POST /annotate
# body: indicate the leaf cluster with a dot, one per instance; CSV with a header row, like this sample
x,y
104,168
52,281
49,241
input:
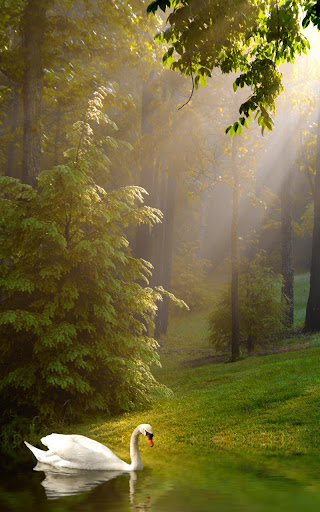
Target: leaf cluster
x,y
252,38
312,8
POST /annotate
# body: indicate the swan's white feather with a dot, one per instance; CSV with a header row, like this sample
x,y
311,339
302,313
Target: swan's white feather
x,y
76,451
73,446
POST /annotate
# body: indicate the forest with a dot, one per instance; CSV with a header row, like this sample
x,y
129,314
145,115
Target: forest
x,y
160,218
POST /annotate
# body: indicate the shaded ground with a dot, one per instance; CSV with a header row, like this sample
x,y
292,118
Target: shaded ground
x,y
225,358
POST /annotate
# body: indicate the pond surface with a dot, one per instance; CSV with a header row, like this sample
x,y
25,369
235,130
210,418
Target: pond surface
x,y
214,483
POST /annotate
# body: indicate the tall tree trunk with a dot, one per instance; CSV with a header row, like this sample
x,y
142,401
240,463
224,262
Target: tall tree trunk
x,y
166,256
287,262
235,347
158,231
14,124
312,320
143,242
32,36
203,224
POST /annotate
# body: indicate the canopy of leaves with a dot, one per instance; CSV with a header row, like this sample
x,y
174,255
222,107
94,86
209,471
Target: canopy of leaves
x,y
85,44
252,38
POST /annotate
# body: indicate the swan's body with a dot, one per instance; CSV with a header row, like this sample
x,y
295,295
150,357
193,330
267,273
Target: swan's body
x,y
80,452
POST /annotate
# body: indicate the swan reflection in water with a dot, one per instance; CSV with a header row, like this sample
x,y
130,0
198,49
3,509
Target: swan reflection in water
x,y
60,482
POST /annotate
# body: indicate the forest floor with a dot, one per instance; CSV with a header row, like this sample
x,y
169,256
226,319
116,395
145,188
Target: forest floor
x,y
259,406
187,342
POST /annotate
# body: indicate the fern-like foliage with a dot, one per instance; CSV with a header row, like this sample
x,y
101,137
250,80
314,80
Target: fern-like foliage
x,y
73,313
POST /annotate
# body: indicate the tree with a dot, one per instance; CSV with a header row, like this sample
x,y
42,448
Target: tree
x,y
73,312
312,320
253,41
287,260
235,338
34,24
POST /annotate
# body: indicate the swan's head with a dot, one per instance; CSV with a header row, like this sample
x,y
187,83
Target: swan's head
x,y
147,431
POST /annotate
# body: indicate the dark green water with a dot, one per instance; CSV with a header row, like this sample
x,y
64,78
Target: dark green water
x,y
214,483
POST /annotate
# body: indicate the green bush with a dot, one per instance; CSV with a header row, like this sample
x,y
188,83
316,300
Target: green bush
x,y
261,312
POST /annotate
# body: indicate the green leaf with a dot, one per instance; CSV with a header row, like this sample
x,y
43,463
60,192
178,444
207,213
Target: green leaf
x,y
153,7
202,80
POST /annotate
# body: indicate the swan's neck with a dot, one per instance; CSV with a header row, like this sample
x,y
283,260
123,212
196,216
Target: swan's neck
x,y
136,462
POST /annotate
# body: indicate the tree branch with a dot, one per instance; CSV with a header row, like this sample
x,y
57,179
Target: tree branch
x,y
192,91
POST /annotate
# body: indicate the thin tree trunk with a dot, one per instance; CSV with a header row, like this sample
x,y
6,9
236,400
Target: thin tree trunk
x,y
235,342
168,249
159,245
57,136
32,36
287,245
312,320
250,343
166,253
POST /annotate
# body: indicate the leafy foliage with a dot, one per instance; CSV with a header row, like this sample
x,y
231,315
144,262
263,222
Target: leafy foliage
x,y
85,44
252,38
312,13
73,315
261,312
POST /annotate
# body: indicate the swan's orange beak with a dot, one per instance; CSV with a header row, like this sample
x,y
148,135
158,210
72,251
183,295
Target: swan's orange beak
x,y
150,442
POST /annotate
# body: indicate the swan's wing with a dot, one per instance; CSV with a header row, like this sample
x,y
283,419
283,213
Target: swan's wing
x,y
77,448
91,444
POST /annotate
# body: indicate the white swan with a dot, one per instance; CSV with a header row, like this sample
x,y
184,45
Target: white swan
x,y
80,452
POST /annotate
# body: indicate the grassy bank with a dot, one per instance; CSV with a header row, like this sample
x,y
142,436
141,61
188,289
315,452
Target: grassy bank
x,y
261,406
266,405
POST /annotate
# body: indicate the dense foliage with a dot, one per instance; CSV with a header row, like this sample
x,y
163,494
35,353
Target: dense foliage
x,y
252,38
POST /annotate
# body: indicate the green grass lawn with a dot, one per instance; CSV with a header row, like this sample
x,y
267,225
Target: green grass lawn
x,y
264,406
260,406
